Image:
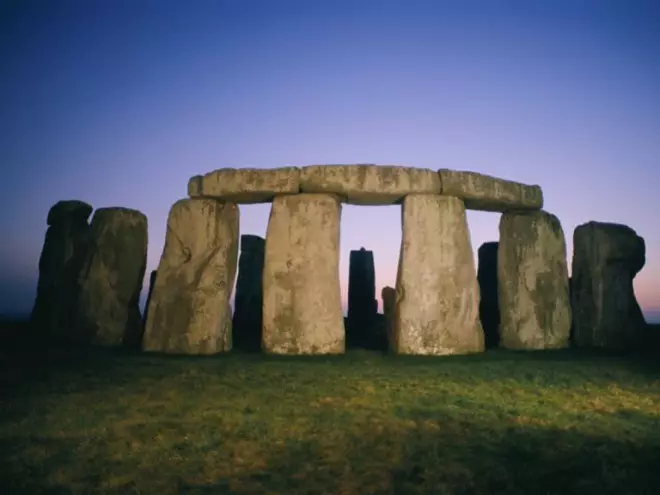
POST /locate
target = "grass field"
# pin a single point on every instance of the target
(502, 422)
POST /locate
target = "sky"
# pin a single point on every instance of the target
(118, 103)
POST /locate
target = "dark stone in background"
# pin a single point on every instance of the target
(248, 303)
(606, 258)
(66, 247)
(364, 328)
(489, 311)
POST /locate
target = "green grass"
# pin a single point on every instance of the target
(501, 422)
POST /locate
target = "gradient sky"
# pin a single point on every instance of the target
(119, 102)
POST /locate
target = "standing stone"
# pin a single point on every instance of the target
(362, 303)
(189, 311)
(61, 262)
(606, 258)
(388, 296)
(109, 311)
(302, 301)
(489, 311)
(437, 308)
(535, 311)
(248, 304)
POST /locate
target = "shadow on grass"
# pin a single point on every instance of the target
(438, 456)
(433, 455)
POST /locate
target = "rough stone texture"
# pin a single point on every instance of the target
(606, 258)
(483, 192)
(189, 311)
(368, 184)
(437, 296)
(388, 296)
(302, 303)
(245, 185)
(248, 304)
(62, 259)
(535, 311)
(108, 311)
(361, 330)
(489, 311)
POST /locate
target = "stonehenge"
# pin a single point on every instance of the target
(189, 311)
(489, 311)
(287, 296)
(302, 301)
(64, 253)
(111, 281)
(606, 258)
(532, 275)
(248, 304)
(362, 329)
(437, 296)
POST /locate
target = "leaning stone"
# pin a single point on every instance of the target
(245, 185)
(302, 300)
(606, 258)
(62, 259)
(535, 311)
(437, 308)
(388, 296)
(189, 312)
(368, 184)
(483, 192)
(489, 311)
(109, 312)
(248, 303)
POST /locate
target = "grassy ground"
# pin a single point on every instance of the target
(502, 422)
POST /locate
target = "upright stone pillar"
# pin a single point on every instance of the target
(606, 259)
(189, 311)
(535, 311)
(248, 304)
(109, 304)
(489, 311)
(437, 308)
(362, 304)
(388, 295)
(62, 260)
(302, 303)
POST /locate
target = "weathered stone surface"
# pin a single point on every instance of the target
(302, 302)
(245, 185)
(62, 259)
(483, 192)
(248, 304)
(368, 184)
(189, 311)
(535, 311)
(606, 258)
(437, 307)
(361, 330)
(108, 311)
(388, 296)
(489, 311)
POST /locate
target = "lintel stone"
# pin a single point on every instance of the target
(245, 185)
(486, 193)
(368, 184)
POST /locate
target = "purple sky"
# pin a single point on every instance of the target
(118, 103)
